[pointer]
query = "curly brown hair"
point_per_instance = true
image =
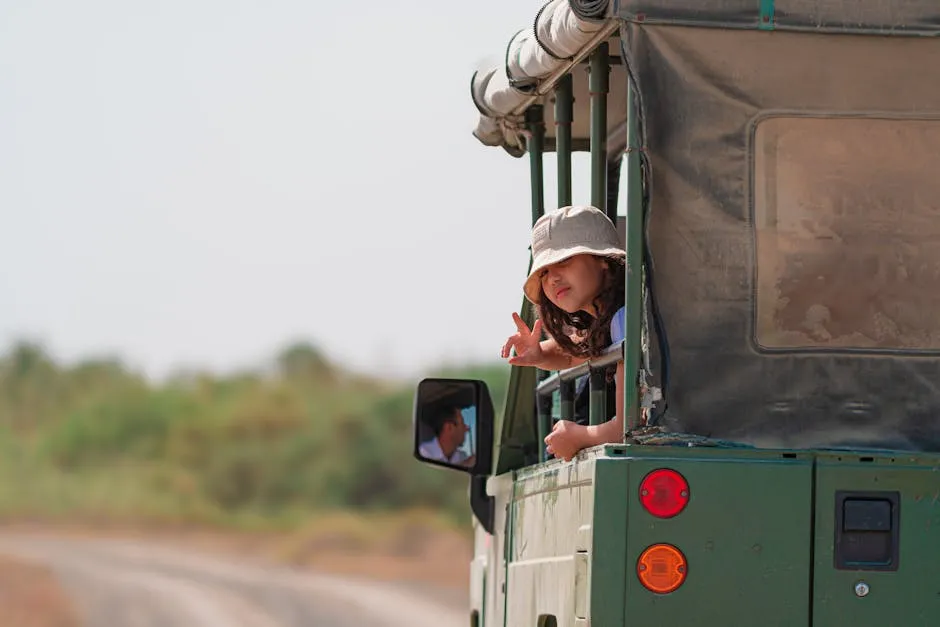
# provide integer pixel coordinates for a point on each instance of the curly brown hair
(593, 333)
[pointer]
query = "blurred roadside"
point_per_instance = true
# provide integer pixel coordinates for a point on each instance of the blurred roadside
(32, 596)
(298, 463)
(413, 549)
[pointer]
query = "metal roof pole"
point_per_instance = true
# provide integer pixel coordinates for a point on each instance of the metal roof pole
(564, 117)
(634, 274)
(535, 125)
(599, 87)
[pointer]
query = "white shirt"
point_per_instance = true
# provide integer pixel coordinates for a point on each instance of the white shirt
(432, 450)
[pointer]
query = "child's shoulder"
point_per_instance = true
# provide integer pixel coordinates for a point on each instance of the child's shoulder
(618, 325)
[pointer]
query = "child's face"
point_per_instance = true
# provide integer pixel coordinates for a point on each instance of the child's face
(573, 284)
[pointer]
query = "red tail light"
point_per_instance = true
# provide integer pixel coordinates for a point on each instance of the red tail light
(664, 493)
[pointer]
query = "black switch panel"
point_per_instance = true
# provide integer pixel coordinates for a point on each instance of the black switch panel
(867, 530)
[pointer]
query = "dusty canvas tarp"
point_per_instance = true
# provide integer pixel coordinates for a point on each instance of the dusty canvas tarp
(795, 229)
(915, 17)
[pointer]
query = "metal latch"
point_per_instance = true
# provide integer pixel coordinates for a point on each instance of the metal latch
(867, 530)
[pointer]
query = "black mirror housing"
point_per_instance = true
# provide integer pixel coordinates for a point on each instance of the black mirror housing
(453, 425)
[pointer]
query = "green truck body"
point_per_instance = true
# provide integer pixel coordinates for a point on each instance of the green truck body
(780, 209)
(760, 535)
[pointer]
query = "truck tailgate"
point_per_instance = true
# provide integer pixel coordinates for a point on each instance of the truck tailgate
(877, 535)
(746, 533)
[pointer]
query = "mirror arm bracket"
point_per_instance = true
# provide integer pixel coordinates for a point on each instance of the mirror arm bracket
(482, 505)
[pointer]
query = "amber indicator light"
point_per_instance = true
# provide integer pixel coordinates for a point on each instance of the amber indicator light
(664, 493)
(662, 568)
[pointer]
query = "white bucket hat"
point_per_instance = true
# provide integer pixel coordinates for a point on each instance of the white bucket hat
(569, 231)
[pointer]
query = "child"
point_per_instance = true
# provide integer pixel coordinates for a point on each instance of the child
(577, 283)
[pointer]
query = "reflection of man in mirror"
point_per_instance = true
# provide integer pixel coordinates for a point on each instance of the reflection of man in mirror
(450, 430)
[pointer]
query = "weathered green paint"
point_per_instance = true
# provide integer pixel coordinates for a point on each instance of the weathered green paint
(910, 596)
(551, 510)
(757, 533)
(745, 533)
(564, 116)
(608, 549)
(599, 85)
(633, 295)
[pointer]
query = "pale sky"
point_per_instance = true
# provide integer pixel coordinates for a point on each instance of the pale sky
(196, 183)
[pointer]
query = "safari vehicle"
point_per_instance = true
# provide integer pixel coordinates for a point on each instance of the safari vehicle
(780, 161)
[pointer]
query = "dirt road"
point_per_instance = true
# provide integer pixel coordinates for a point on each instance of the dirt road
(132, 584)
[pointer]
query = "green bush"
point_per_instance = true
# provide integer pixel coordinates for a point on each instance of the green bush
(303, 438)
(133, 424)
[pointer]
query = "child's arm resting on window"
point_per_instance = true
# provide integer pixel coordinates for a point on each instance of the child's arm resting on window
(567, 438)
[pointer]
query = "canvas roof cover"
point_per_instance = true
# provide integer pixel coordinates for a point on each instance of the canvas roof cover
(795, 221)
(895, 17)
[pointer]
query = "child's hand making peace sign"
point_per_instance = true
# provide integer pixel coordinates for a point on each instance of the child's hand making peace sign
(526, 343)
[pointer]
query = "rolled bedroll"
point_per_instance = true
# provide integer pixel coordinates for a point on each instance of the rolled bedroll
(562, 33)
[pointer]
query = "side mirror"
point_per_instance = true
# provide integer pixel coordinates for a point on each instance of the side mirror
(453, 425)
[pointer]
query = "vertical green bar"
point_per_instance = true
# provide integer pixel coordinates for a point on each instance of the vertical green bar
(564, 116)
(535, 124)
(543, 406)
(634, 304)
(597, 411)
(609, 566)
(599, 86)
(567, 400)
